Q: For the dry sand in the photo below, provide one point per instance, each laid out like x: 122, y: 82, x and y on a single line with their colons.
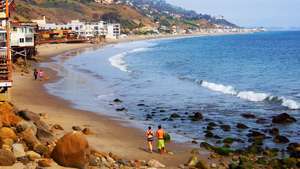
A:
x: 110, y: 135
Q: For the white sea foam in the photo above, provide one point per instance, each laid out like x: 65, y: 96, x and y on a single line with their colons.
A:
x: 118, y: 59
x: 250, y: 95
x: 218, y: 87
x: 119, y: 62
x: 291, y: 104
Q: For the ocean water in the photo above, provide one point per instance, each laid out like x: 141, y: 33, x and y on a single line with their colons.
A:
x: 219, y: 76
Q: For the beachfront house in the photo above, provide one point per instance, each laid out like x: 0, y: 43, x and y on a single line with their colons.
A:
x: 113, y: 31
x: 87, y: 30
x: 23, y: 39
x: 22, y: 34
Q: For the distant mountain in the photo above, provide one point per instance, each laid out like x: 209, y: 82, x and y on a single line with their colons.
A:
x: 158, y: 8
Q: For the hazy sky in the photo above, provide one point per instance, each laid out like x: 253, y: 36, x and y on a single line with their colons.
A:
x: 269, y: 13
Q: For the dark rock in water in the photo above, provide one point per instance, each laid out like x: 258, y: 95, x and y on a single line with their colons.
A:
x: 207, y: 146
x: 175, y: 115
x: 164, y: 119
x: 294, y: 150
x: 196, y: 117
x: 274, y: 131
x: 248, y: 115
x: 241, y: 126
x: 118, y: 101
x: 225, y: 127
x: 261, y: 121
x: 228, y: 140
x: 194, y: 142
x: 283, y: 119
x: 141, y: 105
x: 209, y: 134
x: 217, y: 137
x: 149, y: 116
x: 121, y: 109
x: 281, y: 139
x: 76, y: 128
x: 7, y: 158
x: 256, y: 137
x: 212, y: 124
x: 210, y: 128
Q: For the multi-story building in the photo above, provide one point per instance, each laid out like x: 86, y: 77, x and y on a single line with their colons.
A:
x: 22, y: 34
x: 84, y: 29
x: 113, y: 31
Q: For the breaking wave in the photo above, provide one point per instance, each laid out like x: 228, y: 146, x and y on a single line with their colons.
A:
x: 249, y: 95
x: 118, y: 59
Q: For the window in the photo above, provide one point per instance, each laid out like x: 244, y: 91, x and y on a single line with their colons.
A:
x: 21, y: 40
x: 30, y: 30
x: 15, y: 29
x: 28, y: 39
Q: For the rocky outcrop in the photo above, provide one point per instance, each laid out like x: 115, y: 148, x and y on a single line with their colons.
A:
x: 72, y: 150
x: 196, y: 117
x: 283, y: 118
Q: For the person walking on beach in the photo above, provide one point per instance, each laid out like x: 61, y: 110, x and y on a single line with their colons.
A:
x: 160, y: 140
x: 150, y: 139
x: 41, y: 75
x: 35, y: 74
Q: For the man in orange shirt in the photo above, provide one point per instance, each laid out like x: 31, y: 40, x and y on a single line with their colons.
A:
x: 160, y: 133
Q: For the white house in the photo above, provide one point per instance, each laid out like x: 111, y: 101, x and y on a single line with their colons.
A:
x: 22, y: 34
x: 84, y: 29
x: 88, y: 29
x: 113, y: 31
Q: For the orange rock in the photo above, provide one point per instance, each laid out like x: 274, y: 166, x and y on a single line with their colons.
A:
x: 45, y: 162
x: 72, y: 150
x: 7, y: 133
x: 7, y: 115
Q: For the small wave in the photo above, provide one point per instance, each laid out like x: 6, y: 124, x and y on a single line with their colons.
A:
x: 250, y: 95
x: 118, y: 62
x: 218, y: 87
x: 118, y: 59
x: 139, y: 50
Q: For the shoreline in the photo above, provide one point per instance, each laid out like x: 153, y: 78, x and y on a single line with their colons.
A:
x: 111, y: 135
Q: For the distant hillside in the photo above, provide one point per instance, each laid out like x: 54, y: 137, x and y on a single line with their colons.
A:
x: 62, y: 11
x: 130, y: 13
x: 158, y: 8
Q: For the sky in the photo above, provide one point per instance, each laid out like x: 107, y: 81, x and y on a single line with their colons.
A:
x: 248, y: 13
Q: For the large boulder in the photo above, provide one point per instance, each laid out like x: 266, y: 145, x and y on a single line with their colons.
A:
x: 72, y: 150
x: 7, y: 133
x: 283, y: 119
x: 7, y: 158
x: 7, y: 116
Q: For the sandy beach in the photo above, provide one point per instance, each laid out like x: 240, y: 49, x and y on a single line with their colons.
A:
x: 110, y: 135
